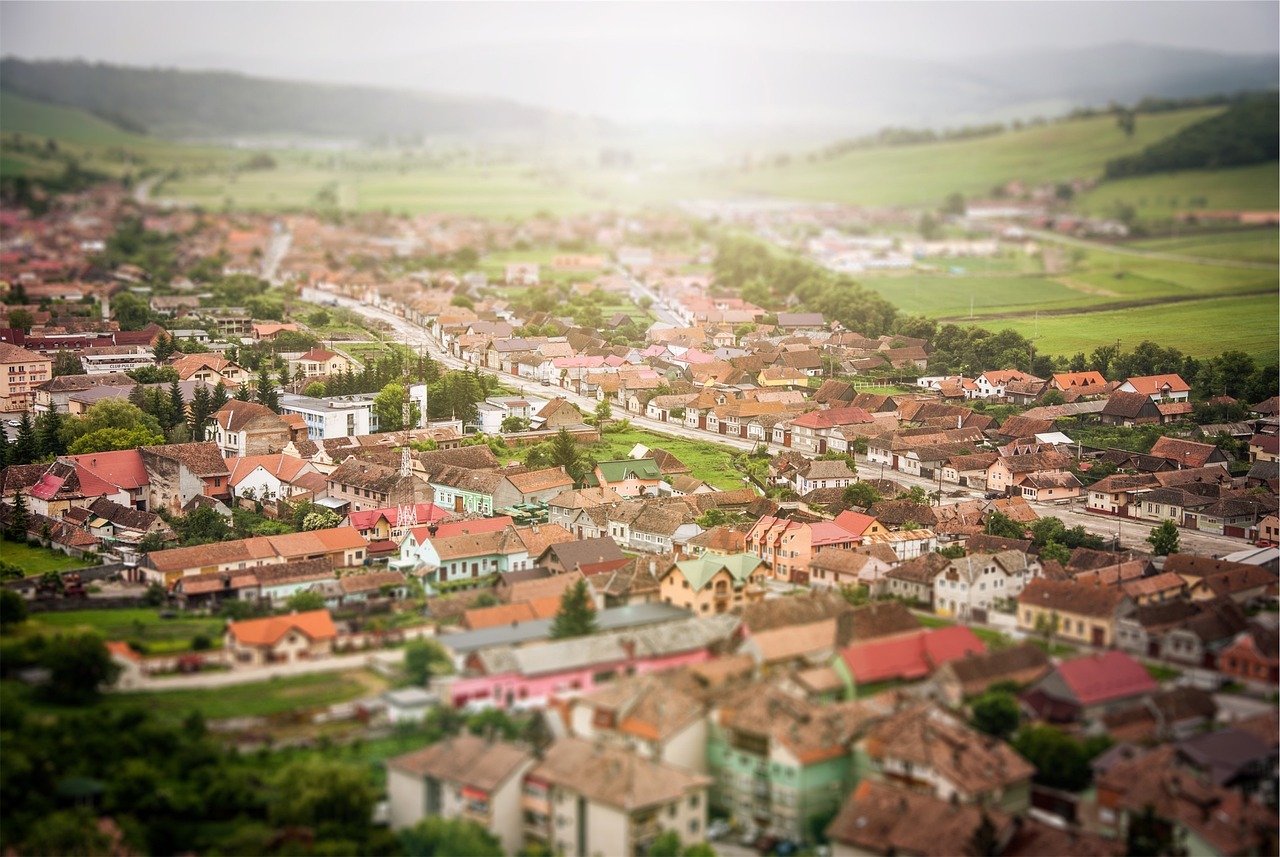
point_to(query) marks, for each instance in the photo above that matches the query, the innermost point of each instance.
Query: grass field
(1198, 328)
(1161, 196)
(145, 626)
(1249, 245)
(259, 699)
(34, 561)
(924, 174)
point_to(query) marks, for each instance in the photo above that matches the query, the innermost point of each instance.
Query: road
(234, 677)
(277, 247)
(1148, 254)
(640, 290)
(1132, 533)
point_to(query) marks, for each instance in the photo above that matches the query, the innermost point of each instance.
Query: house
(811, 432)
(210, 368)
(319, 363)
(1207, 818)
(1120, 494)
(902, 657)
(1168, 715)
(1158, 388)
(981, 582)
(247, 428)
(630, 477)
(886, 820)
(462, 777)
(267, 477)
(1087, 687)
(558, 413)
(1251, 658)
(343, 545)
(584, 798)
(281, 639)
(73, 481)
(21, 371)
(394, 522)
(1187, 454)
(367, 485)
(332, 416)
(840, 567)
(824, 474)
(567, 556)
(714, 583)
(789, 546)
(971, 675)
(178, 472)
(1009, 472)
(1081, 614)
(992, 384)
(113, 522)
(914, 581)
(1130, 409)
(779, 760)
(929, 750)
(659, 715)
(1084, 383)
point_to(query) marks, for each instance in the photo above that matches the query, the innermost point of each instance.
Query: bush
(13, 608)
(201, 643)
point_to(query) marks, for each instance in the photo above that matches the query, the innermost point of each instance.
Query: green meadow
(1160, 197)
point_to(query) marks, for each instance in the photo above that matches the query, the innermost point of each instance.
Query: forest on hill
(1245, 133)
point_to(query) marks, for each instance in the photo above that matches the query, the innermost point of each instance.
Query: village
(767, 579)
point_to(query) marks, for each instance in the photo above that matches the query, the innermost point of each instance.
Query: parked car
(718, 829)
(15, 423)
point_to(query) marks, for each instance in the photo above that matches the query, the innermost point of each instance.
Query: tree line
(1245, 133)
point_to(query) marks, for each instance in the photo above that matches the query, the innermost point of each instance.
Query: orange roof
(283, 467)
(315, 624)
(122, 469)
(121, 648)
(1153, 384)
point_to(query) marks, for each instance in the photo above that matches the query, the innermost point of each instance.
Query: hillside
(1245, 133)
(209, 105)
(922, 175)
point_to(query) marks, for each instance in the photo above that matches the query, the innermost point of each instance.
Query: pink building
(519, 677)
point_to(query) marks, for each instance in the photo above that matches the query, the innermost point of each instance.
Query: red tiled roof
(913, 655)
(1101, 677)
(449, 529)
(315, 624)
(121, 469)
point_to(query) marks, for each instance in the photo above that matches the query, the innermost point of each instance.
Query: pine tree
(164, 348)
(200, 412)
(19, 518)
(138, 397)
(576, 616)
(177, 405)
(49, 428)
(267, 396)
(243, 393)
(284, 379)
(26, 448)
(565, 453)
(218, 398)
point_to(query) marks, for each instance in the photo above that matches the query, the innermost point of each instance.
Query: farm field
(145, 626)
(1199, 328)
(1249, 245)
(259, 699)
(948, 295)
(1161, 196)
(924, 174)
(35, 561)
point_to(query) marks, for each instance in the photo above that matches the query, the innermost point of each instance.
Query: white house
(267, 477)
(333, 416)
(980, 581)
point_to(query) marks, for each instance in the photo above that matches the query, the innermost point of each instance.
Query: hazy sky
(250, 36)
(677, 61)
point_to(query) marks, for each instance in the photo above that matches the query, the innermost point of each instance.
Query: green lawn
(1249, 245)
(711, 462)
(1200, 328)
(1163, 195)
(1161, 673)
(142, 625)
(258, 699)
(35, 561)
(924, 174)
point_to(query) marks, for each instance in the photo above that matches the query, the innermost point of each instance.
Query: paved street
(1132, 533)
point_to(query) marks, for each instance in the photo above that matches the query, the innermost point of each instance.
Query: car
(766, 843)
(15, 423)
(718, 829)
(786, 848)
(546, 383)
(994, 495)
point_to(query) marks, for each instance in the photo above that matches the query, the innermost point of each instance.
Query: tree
(1164, 539)
(243, 393)
(266, 394)
(954, 205)
(324, 795)
(603, 413)
(111, 414)
(305, 601)
(1057, 552)
(513, 425)
(1000, 524)
(13, 608)
(79, 666)
(19, 519)
(576, 616)
(424, 659)
(49, 431)
(130, 311)
(565, 453)
(996, 713)
(111, 439)
(1149, 835)
(930, 229)
(26, 447)
(434, 836)
(201, 411)
(218, 397)
(21, 319)
(388, 405)
(321, 519)
(861, 494)
(164, 348)
(202, 526)
(1061, 761)
(67, 363)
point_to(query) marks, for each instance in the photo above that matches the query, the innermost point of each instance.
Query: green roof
(617, 471)
(700, 571)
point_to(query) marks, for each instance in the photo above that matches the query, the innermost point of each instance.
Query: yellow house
(714, 583)
(1073, 612)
